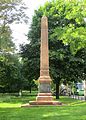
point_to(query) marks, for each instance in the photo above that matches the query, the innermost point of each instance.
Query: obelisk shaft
(44, 80)
(44, 58)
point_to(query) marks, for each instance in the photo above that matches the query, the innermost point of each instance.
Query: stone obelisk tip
(44, 22)
(44, 17)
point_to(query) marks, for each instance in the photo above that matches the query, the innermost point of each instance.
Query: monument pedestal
(44, 99)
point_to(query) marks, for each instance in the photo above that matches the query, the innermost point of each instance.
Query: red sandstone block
(44, 94)
(45, 103)
(44, 98)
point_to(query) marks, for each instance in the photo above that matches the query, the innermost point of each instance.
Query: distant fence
(78, 97)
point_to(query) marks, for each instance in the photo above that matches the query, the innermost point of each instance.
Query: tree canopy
(67, 37)
(10, 11)
(10, 67)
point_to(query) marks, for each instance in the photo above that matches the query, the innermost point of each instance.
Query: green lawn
(10, 109)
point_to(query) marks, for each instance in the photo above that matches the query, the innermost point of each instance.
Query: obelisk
(44, 79)
(44, 96)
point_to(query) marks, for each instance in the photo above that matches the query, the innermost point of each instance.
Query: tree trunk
(85, 89)
(57, 90)
(67, 89)
(30, 89)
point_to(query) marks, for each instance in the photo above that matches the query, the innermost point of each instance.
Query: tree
(6, 43)
(63, 61)
(10, 73)
(30, 57)
(11, 78)
(73, 27)
(82, 54)
(10, 11)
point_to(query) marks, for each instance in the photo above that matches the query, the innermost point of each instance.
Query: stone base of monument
(43, 99)
(44, 103)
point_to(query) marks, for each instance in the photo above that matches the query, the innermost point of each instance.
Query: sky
(20, 30)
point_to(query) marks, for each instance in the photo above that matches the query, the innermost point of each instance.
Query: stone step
(45, 103)
(44, 98)
(44, 94)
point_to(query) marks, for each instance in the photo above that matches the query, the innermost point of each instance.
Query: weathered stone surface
(44, 98)
(42, 103)
(44, 58)
(44, 79)
(44, 94)
(45, 103)
(44, 88)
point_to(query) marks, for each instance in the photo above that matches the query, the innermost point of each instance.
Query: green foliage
(10, 73)
(30, 64)
(12, 11)
(68, 22)
(67, 36)
(6, 43)
(11, 79)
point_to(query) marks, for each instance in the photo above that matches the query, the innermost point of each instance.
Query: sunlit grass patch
(10, 105)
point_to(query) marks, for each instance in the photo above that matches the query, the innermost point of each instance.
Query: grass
(10, 109)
